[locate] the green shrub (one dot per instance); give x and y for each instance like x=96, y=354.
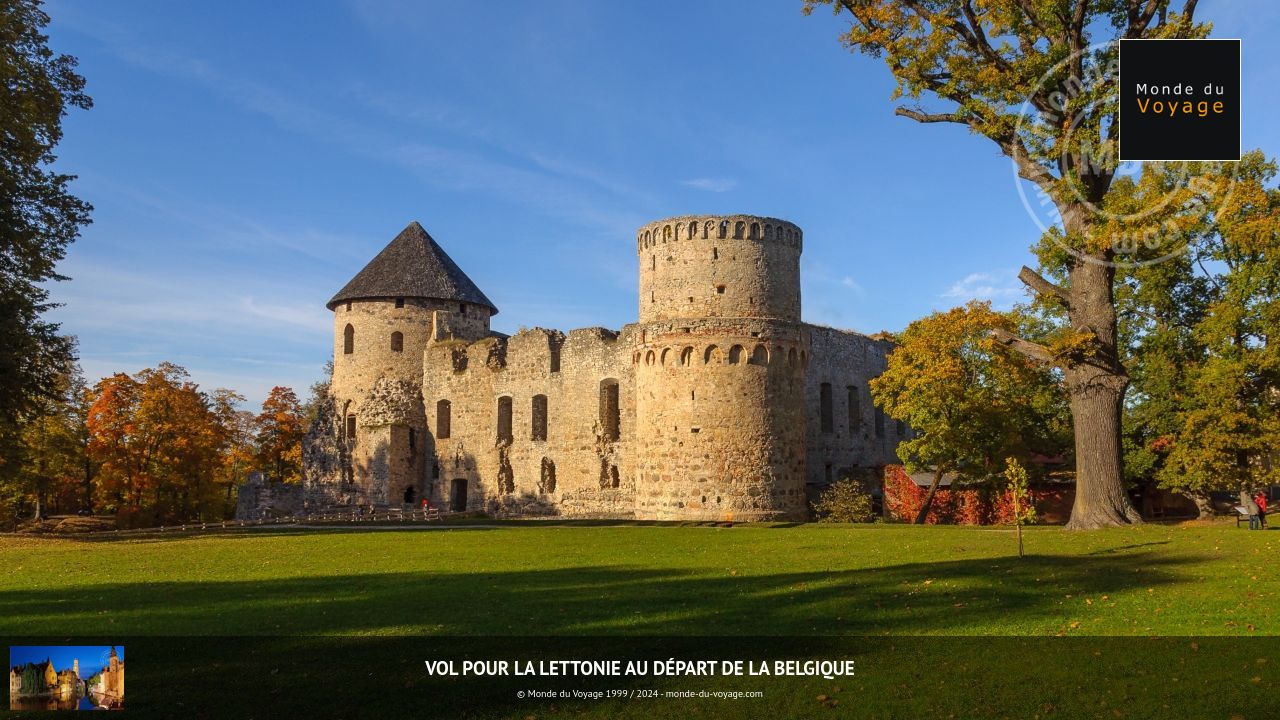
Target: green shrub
x=844, y=501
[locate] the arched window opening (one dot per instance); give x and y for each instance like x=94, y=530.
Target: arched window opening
x=735, y=355
x=648, y=358
x=547, y=484
x=738, y=228
x=351, y=428
x=686, y=356
x=539, y=414
x=693, y=230
x=348, y=340
x=504, y=419
x=791, y=357
x=609, y=410
x=666, y=355
x=724, y=228
x=760, y=355
x=712, y=355
x=444, y=419
x=755, y=231
x=855, y=411
x=824, y=406
x=397, y=341
x=666, y=233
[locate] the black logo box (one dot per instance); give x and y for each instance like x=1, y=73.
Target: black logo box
x=1189, y=66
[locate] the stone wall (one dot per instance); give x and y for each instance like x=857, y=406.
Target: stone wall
x=258, y=499
x=855, y=434
x=581, y=466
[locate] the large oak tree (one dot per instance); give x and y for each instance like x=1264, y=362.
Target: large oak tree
x=1033, y=77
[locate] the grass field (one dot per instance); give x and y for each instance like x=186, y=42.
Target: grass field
x=1161, y=621
x=549, y=579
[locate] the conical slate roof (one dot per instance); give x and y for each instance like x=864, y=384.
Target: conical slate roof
x=412, y=265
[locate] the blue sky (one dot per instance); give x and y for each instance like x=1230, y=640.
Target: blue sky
x=92, y=657
x=245, y=159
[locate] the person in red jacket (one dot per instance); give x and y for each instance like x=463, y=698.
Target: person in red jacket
x=1261, y=500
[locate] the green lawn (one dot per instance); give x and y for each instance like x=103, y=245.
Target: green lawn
x=541, y=579
x=341, y=620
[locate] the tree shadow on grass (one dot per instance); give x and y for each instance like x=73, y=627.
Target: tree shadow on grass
x=959, y=596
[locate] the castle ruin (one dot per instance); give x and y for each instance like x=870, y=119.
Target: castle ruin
x=719, y=403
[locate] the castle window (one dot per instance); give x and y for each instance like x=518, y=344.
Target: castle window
x=901, y=429
x=351, y=428
x=653, y=262
x=539, y=430
x=555, y=357
x=462, y=308
x=791, y=357
x=715, y=253
x=719, y=289
x=504, y=419
x=547, y=484
x=693, y=230
x=666, y=233
x=399, y=302
x=826, y=473
x=609, y=410
x=879, y=423
x=444, y=419
x=855, y=410
x=397, y=341
x=724, y=228
x=348, y=339
x=686, y=356
x=738, y=228
x=666, y=353
x=755, y=231
x=824, y=405
x=735, y=355
x=760, y=355
x=712, y=355
x=348, y=307
x=648, y=358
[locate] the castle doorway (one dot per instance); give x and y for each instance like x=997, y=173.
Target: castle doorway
x=409, y=495
x=458, y=495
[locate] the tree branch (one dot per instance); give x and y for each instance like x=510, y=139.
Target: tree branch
x=1036, y=282
x=924, y=117
x=1032, y=350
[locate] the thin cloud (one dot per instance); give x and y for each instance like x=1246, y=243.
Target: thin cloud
x=1001, y=288
x=717, y=185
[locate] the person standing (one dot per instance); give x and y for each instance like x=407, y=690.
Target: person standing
x=1261, y=501
x=1251, y=508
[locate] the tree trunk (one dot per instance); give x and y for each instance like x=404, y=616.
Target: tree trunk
x=928, y=498
x=1204, y=505
x=1096, y=385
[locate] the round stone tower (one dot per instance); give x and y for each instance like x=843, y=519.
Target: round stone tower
x=720, y=365
x=410, y=295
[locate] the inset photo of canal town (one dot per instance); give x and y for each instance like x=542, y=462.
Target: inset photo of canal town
x=65, y=677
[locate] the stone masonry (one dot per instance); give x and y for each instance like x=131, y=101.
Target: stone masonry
x=719, y=404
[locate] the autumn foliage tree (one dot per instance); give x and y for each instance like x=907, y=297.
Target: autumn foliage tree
x=1033, y=78
x=280, y=428
x=159, y=443
x=971, y=400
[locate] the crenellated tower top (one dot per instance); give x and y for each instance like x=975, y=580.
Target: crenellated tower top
x=696, y=266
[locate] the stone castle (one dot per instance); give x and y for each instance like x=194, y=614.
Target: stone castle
x=720, y=403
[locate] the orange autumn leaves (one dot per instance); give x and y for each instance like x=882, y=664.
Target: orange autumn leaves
x=168, y=451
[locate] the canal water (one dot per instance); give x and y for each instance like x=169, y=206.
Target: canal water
x=56, y=702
